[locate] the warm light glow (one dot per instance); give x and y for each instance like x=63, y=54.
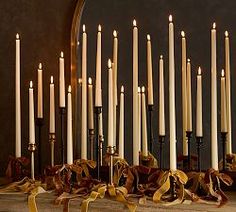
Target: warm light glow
x=161, y=56
x=51, y=79
x=90, y=81
x=214, y=25
x=40, y=65
x=139, y=90
x=17, y=36
x=223, y=73
x=69, y=89
x=122, y=89
x=226, y=34
x=78, y=43
x=83, y=28
x=31, y=84
x=134, y=23
x=80, y=81
x=99, y=28
x=170, y=18
x=148, y=37
x=109, y=63
x=199, y=72
x=183, y=34
x=115, y=33
x=62, y=54
x=188, y=60
x=143, y=89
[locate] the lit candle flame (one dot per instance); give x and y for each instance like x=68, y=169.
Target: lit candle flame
x=83, y=28
x=109, y=63
x=90, y=81
x=148, y=37
x=31, y=84
x=69, y=89
x=51, y=79
x=161, y=56
x=183, y=34
x=115, y=33
x=99, y=28
x=199, y=72
x=134, y=23
x=170, y=18
x=80, y=81
x=223, y=73
x=17, y=36
x=122, y=89
x=143, y=89
x=139, y=90
x=62, y=54
x=188, y=60
x=40, y=65
x=214, y=25
x=226, y=34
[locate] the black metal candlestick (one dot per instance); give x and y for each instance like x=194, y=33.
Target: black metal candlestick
x=39, y=124
x=97, y=147
x=189, y=136
x=32, y=148
x=161, y=141
x=111, y=151
x=199, y=146
x=62, y=111
x=223, y=139
x=173, y=188
x=151, y=138
x=52, y=140
x=91, y=141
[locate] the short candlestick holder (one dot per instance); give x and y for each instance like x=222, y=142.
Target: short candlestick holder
x=97, y=147
x=173, y=192
x=39, y=124
x=91, y=141
x=223, y=139
x=151, y=138
x=101, y=141
x=62, y=111
x=189, y=136
x=32, y=148
x=161, y=142
x=52, y=140
x=199, y=146
x=111, y=151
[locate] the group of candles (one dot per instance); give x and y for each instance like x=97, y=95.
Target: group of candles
x=139, y=100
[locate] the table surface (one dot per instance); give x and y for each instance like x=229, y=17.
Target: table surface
x=45, y=202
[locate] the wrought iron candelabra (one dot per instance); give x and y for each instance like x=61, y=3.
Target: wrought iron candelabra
x=62, y=111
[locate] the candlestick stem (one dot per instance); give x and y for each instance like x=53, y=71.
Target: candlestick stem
x=199, y=146
x=189, y=136
x=151, y=138
x=173, y=188
x=39, y=124
x=32, y=148
x=52, y=140
x=101, y=140
x=161, y=141
x=62, y=111
x=91, y=141
x=111, y=152
x=223, y=139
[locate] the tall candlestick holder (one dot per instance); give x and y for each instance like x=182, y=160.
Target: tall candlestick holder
x=111, y=151
x=39, y=124
x=98, y=147
x=52, y=140
x=173, y=192
x=91, y=141
x=189, y=136
x=62, y=111
x=161, y=142
x=223, y=139
x=32, y=148
x=199, y=146
x=151, y=138
x=101, y=141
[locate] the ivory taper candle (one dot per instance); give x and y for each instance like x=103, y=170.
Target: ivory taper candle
x=199, y=131
x=84, y=97
x=69, y=128
x=228, y=94
x=144, y=125
x=184, y=94
x=62, y=101
x=149, y=70
x=90, y=105
x=52, y=108
x=122, y=122
x=135, y=94
x=18, y=100
x=223, y=102
x=40, y=92
x=31, y=115
x=214, y=145
x=172, y=96
x=189, y=97
x=162, y=130
x=139, y=119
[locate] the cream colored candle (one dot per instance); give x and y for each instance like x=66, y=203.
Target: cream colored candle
x=189, y=97
x=228, y=94
x=162, y=130
x=172, y=96
x=40, y=92
x=144, y=125
x=135, y=95
x=84, y=97
x=18, y=100
x=62, y=101
x=52, y=107
x=122, y=122
x=100, y=125
x=214, y=145
x=114, y=107
x=69, y=128
x=223, y=103
x=149, y=70
x=139, y=120
x=110, y=137
x=31, y=115
x=90, y=105
x=98, y=85
x=184, y=94
x=199, y=132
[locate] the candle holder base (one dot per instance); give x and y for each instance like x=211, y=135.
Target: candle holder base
x=52, y=140
x=173, y=191
x=111, y=151
x=62, y=112
x=32, y=148
x=39, y=123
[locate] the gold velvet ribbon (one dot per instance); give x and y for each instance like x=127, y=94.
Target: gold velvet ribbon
x=149, y=161
x=119, y=167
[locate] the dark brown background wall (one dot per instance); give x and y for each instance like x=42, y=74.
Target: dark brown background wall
x=44, y=27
